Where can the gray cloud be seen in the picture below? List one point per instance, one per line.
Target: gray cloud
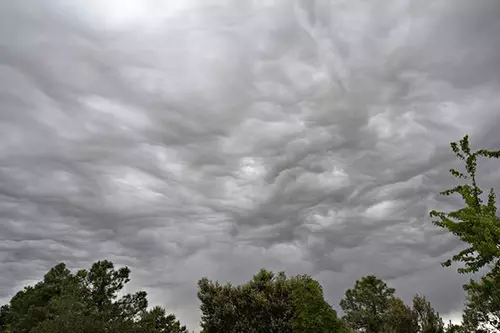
(189, 140)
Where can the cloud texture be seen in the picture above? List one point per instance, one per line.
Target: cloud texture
(212, 138)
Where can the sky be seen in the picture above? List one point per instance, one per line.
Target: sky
(199, 138)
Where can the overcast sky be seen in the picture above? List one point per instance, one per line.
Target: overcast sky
(213, 138)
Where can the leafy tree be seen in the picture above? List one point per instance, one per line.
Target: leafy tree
(400, 319)
(85, 302)
(217, 306)
(478, 225)
(157, 321)
(312, 313)
(483, 301)
(453, 328)
(70, 316)
(267, 303)
(102, 284)
(93, 298)
(372, 307)
(475, 224)
(4, 313)
(428, 319)
(29, 307)
(367, 305)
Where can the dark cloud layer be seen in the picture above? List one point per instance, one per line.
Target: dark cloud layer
(194, 138)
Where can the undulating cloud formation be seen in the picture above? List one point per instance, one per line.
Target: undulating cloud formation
(212, 138)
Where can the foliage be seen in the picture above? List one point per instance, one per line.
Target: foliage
(85, 302)
(475, 224)
(31, 306)
(453, 328)
(400, 318)
(312, 313)
(428, 319)
(4, 313)
(483, 301)
(372, 307)
(367, 304)
(157, 321)
(268, 303)
(478, 225)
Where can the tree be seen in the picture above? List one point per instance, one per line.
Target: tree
(92, 301)
(268, 303)
(70, 316)
(101, 285)
(476, 224)
(30, 306)
(85, 302)
(312, 313)
(453, 328)
(157, 321)
(372, 307)
(483, 301)
(368, 304)
(400, 318)
(217, 306)
(4, 313)
(428, 319)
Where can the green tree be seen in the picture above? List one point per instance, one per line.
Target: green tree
(70, 315)
(483, 301)
(367, 305)
(4, 313)
(267, 303)
(312, 313)
(85, 302)
(30, 306)
(372, 307)
(218, 306)
(157, 321)
(476, 223)
(428, 319)
(453, 328)
(92, 299)
(101, 285)
(400, 318)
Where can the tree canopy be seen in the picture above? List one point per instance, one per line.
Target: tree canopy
(84, 302)
(367, 305)
(476, 223)
(371, 306)
(267, 303)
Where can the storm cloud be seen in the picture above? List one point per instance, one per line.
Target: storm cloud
(212, 138)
